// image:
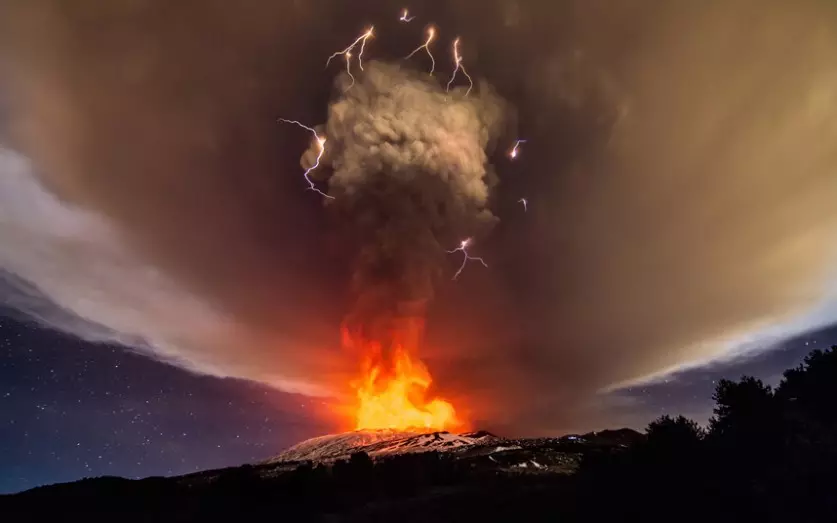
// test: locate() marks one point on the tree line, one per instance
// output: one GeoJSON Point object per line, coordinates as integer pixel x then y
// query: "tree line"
{"type": "Point", "coordinates": [766, 455]}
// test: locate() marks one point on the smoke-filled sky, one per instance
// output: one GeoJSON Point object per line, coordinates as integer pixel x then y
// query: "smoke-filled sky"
{"type": "Point", "coordinates": [679, 168]}
{"type": "Point", "coordinates": [409, 179]}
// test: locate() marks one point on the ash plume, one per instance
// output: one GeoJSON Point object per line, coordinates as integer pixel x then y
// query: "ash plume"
{"type": "Point", "coordinates": [410, 176]}
{"type": "Point", "coordinates": [143, 200]}
{"type": "Point", "coordinates": [68, 268]}
{"type": "Point", "coordinates": [679, 169]}
{"type": "Point", "coordinates": [686, 204]}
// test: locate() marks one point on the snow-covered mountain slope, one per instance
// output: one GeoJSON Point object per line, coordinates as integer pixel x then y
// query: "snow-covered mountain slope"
{"type": "Point", "coordinates": [380, 443]}
{"type": "Point", "coordinates": [422, 442]}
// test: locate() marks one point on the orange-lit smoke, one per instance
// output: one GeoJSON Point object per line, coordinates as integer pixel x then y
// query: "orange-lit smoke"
{"type": "Point", "coordinates": [392, 389]}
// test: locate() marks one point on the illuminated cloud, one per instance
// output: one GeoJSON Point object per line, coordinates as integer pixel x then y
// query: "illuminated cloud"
{"type": "Point", "coordinates": [68, 269]}
{"type": "Point", "coordinates": [679, 171]}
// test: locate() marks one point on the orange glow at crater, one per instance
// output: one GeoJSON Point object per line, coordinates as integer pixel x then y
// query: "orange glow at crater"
{"type": "Point", "coordinates": [392, 390]}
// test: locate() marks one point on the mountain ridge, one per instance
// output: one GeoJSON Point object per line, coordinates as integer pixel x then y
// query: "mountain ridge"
{"type": "Point", "coordinates": [381, 442]}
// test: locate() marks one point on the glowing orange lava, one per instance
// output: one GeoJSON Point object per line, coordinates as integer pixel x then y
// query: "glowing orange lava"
{"type": "Point", "coordinates": [392, 388]}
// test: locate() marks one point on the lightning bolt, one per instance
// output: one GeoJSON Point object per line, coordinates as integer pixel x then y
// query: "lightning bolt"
{"type": "Point", "coordinates": [431, 34]}
{"type": "Point", "coordinates": [457, 58]}
{"type": "Point", "coordinates": [405, 16]}
{"type": "Point", "coordinates": [516, 149]}
{"type": "Point", "coordinates": [525, 203]}
{"type": "Point", "coordinates": [463, 248]}
{"type": "Point", "coordinates": [349, 69]}
{"type": "Point", "coordinates": [360, 40]}
{"type": "Point", "coordinates": [321, 149]}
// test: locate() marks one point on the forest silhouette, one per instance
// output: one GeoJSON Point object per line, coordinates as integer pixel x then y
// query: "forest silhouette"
{"type": "Point", "coordinates": [766, 455]}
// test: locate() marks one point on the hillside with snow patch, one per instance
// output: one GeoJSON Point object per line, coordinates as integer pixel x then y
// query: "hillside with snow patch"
{"type": "Point", "coordinates": [380, 443]}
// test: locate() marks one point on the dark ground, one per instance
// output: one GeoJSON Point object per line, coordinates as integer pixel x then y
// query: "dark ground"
{"type": "Point", "coordinates": [767, 455]}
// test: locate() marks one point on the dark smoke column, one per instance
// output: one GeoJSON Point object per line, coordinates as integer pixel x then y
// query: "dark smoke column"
{"type": "Point", "coordinates": [409, 179]}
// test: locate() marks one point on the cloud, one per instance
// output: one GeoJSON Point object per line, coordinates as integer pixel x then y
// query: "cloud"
{"type": "Point", "coordinates": [67, 268]}
{"type": "Point", "coordinates": [409, 179]}
{"type": "Point", "coordinates": [683, 195]}
{"type": "Point", "coordinates": [679, 168]}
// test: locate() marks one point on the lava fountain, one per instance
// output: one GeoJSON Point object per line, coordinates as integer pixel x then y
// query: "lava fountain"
{"type": "Point", "coordinates": [392, 389]}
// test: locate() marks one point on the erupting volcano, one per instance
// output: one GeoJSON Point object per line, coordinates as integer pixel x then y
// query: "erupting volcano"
{"type": "Point", "coordinates": [408, 176]}
{"type": "Point", "coordinates": [397, 400]}
{"type": "Point", "coordinates": [392, 391]}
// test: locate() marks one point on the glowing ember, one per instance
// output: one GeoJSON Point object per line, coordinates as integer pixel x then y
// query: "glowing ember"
{"type": "Point", "coordinates": [392, 390]}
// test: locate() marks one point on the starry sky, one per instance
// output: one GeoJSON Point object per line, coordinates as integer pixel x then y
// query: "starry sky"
{"type": "Point", "coordinates": [72, 409]}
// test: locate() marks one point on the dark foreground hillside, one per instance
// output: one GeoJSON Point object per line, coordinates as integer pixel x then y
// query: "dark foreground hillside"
{"type": "Point", "coordinates": [767, 455]}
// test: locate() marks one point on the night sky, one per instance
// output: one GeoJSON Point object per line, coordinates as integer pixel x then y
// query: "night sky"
{"type": "Point", "coordinates": [678, 167]}
{"type": "Point", "coordinates": [72, 409]}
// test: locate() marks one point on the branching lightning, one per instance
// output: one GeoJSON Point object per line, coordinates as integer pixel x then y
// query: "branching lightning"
{"type": "Point", "coordinates": [457, 58]}
{"type": "Point", "coordinates": [525, 203]}
{"type": "Point", "coordinates": [347, 51]}
{"type": "Point", "coordinates": [321, 149]}
{"type": "Point", "coordinates": [431, 34]}
{"type": "Point", "coordinates": [405, 16]}
{"type": "Point", "coordinates": [516, 149]}
{"type": "Point", "coordinates": [463, 247]}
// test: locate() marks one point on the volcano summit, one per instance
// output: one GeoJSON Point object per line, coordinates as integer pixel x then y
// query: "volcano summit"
{"type": "Point", "coordinates": [379, 443]}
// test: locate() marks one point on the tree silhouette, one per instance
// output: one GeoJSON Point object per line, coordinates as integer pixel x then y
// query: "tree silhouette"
{"type": "Point", "coordinates": [766, 456]}
{"type": "Point", "coordinates": [809, 390]}
{"type": "Point", "coordinates": [806, 394]}
{"type": "Point", "coordinates": [744, 409]}
{"type": "Point", "coordinates": [674, 433]}
{"type": "Point", "coordinates": [360, 462]}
